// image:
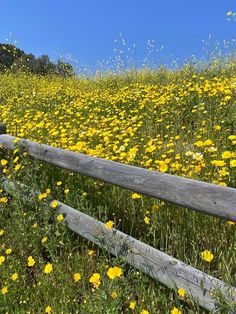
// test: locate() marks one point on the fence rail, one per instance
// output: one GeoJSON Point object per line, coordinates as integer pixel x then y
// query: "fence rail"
{"type": "Point", "coordinates": [200, 196]}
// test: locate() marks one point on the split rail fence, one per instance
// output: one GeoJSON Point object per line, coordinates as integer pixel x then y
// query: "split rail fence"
{"type": "Point", "coordinates": [199, 196]}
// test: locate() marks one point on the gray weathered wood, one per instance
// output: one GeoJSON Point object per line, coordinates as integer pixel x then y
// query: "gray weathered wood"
{"type": "Point", "coordinates": [169, 271]}
{"type": "Point", "coordinates": [3, 129]}
{"type": "Point", "coordinates": [199, 196]}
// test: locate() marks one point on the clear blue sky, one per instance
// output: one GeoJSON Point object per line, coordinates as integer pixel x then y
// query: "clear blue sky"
{"type": "Point", "coordinates": [87, 29]}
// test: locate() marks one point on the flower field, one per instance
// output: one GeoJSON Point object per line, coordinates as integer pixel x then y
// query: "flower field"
{"type": "Point", "coordinates": [182, 123]}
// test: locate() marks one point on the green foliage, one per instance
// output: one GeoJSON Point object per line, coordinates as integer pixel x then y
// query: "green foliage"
{"type": "Point", "coordinates": [15, 60]}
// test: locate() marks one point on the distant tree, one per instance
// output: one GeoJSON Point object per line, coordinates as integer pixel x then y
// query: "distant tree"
{"type": "Point", "coordinates": [44, 66]}
{"type": "Point", "coordinates": [14, 59]}
{"type": "Point", "coordinates": [25, 63]}
{"type": "Point", "coordinates": [64, 69]}
{"type": "Point", "coordinates": [8, 54]}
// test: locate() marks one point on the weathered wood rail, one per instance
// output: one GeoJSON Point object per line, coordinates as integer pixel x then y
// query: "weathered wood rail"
{"type": "Point", "coordinates": [196, 195]}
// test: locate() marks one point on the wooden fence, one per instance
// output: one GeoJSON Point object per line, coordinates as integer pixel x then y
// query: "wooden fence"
{"type": "Point", "coordinates": [196, 195]}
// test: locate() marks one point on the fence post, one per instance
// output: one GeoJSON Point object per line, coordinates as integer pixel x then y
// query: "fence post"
{"type": "Point", "coordinates": [3, 130]}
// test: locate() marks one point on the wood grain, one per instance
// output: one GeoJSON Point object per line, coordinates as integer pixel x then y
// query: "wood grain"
{"type": "Point", "coordinates": [3, 129]}
{"type": "Point", "coordinates": [196, 195]}
{"type": "Point", "coordinates": [167, 270]}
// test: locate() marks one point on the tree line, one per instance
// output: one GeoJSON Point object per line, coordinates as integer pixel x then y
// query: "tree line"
{"type": "Point", "coordinates": [15, 59]}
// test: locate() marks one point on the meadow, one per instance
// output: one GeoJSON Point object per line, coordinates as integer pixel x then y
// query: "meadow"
{"type": "Point", "coordinates": [180, 122]}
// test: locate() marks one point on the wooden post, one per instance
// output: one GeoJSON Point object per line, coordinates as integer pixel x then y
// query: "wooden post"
{"type": "Point", "coordinates": [3, 128]}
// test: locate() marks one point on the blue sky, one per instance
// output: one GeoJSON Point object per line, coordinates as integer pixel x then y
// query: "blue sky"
{"type": "Point", "coordinates": [87, 29]}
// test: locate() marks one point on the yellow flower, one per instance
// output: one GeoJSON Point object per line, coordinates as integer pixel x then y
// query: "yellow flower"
{"type": "Point", "coordinates": [4, 162]}
{"type": "Point", "coordinates": [175, 311]}
{"type": "Point", "coordinates": [226, 154]}
{"type": "Point", "coordinates": [132, 305]}
{"type": "Point", "coordinates": [17, 167]}
{"type": "Point", "coordinates": [4, 290]}
{"type": "Point", "coordinates": [48, 268]}
{"type": "Point", "coordinates": [90, 252]}
{"type": "Point", "coordinates": [109, 224]}
{"type": "Point", "coordinates": [42, 196]}
{"type": "Point", "coordinates": [135, 196]}
{"type": "Point", "coordinates": [3, 200]}
{"type": "Point", "coordinates": [147, 220]}
{"type": "Point", "coordinates": [218, 163]}
{"type": "Point", "coordinates": [114, 272]}
{"type": "Point", "coordinates": [231, 223]}
{"type": "Point", "coordinates": [114, 295]}
{"type": "Point", "coordinates": [1, 232]}
{"type": "Point", "coordinates": [44, 239]}
{"type": "Point", "coordinates": [233, 163]}
{"type": "Point", "coordinates": [181, 292]}
{"type": "Point", "coordinates": [66, 191]}
{"type": "Point", "coordinates": [59, 183]}
{"type": "Point", "coordinates": [8, 251]}
{"type": "Point", "coordinates": [31, 261]}
{"type": "Point", "coordinates": [48, 309]}
{"type": "Point", "coordinates": [95, 280]}
{"type": "Point", "coordinates": [77, 277]}
{"type": "Point", "coordinates": [2, 259]}
{"type": "Point", "coordinates": [155, 207]}
{"type": "Point", "coordinates": [163, 167]}
{"type": "Point", "coordinates": [54, 204]}
{"type": "Point", "coordinates": [14, 276]}
{"type": "Point", "coordinates": [217, 127]}
{"type": "Point", "coordinates": [144, 312]}
{"type": "Point", "coordinates": [60, 218]}
{"type": "Point", "coordinates": [16, 159]}
{"type": "Point", "coordinates": [207, 256]}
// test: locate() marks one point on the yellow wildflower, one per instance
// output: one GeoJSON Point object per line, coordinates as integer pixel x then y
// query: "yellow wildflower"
{"type": "Point", "coordinates": [31, 261]}
{"type": "Point", "coordinates": [132, 305]}
{"type": "Point", "coordinates": [226, 154]}
{"type": "Point", "coordinates": [48, 268]}
{"type": "Point", "coordinates": [114, 272]}
{"type": "Point", "coordinates": [60, 218]}
{"type": "Point", "coordinates": [231, 223]}
{"type": "Point", "coordinates": [233, 163]}
{"type": "Point", "coordinates": [77, 277]}
{"type": "Point", "coordinates": [2, 259]}
{"type": "Point", "coordinates": [114, 295]}
{"type": "Point", "coordinates": [90, 252]}
{"type": "Point", "coordinates": [14, 276]}
{"type": "Point", "coordinates": [48, 309]}
{"type": "Point", "coordinates": [4, 290]}
{"type": "Point", "coordinates": [95, 280]}
{"type": "Point", "coordinates": [207, 256]}
{"type": "Point", "coordinates": [54, 204]}
{"type": "Point", "coordinates": [181, 292]}
{"type": "Point", "coordinates": [4, 162]}
{"type": "Point", "coordinates": [8, 251]}
{"type": "Point", "coordinates": [109, 224]}
{"type": "Point", "coordinates": [175, 311]}
{"type": "Point", "coordinates": [147, 220]}
{"type": "Point", "coordinates": [135, 196]}
{"type": "Point", "coordinates": [44, 239]}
